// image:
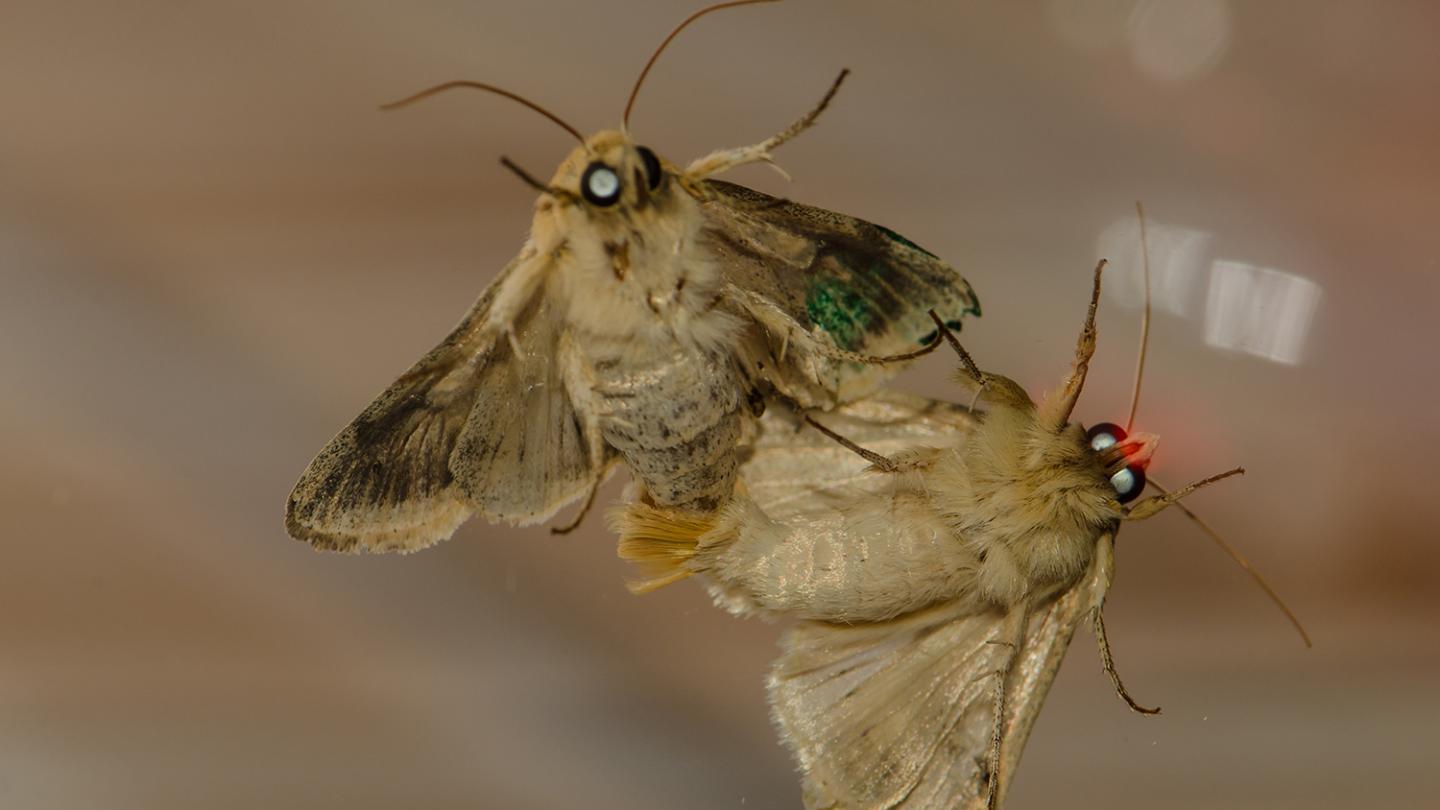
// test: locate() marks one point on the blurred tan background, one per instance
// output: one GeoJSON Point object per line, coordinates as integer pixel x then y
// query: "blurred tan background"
{"type": "Point", "coordinates": [214, 251]}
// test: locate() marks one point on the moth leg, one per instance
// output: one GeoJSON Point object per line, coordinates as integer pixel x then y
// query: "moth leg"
{"type": "Point", "coordinates": [878, 461]}
{"type": "Point", "coordinates": [580, 386]}
{"type": "Point", "coordinates": [725, 159]}
{"type": "Point", "coordinates": [584, 510]}
{"type": "Point", "coordinates": [515, 294]}
{"type": "Point", "coordinates": [967, 363]}
{"type": "Point", "coordinates": [1097, 619]}
{"type": "Point", "coordinates": [994, 387]}
{"type": "Point", "coordinates": [875, 359]}
{"type": "Point", "coordinates": [1016, 624]}
{"type": "Point", "coordinates": [1056, 412]}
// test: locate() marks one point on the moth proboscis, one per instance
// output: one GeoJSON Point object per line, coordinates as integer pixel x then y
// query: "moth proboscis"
{"type": "Point", "coordinates": [937, 588]}
{"type": "Point", "coordinates": [650, 315]}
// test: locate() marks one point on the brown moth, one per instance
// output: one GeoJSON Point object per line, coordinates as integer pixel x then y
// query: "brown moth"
{"type": "Point", "coordinates": [939, 572]}
{"type": "Point", "coordinates": [651, 314]}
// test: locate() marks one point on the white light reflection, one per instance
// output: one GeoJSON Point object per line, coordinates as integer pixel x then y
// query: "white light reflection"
{"type": "Point", "coordinates": [1176, 40]}
{"type": "Point", "coordinates": [1179, 258]}
{"type": "Point", "coordinates": [1260, 311]}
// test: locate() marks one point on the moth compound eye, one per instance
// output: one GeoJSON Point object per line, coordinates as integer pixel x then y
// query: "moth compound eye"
{"type": "Point", "coordinates": [1128, 483]}
{"type": "Point", "coordinates": [1104, 436]}
{"type": "Point", "coordinates": [600, 184]}
{"type": "Point", "coordinates": [653, 173]}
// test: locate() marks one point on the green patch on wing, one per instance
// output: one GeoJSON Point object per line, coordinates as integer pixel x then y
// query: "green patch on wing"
{"type": "Point", "coordinates": [906, 242]}
{"type": "Point", "coordinates": [838, 310]}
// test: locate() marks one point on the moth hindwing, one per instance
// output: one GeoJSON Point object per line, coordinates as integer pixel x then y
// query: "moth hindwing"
{"type": "Point", "coordinates": [651, 313]}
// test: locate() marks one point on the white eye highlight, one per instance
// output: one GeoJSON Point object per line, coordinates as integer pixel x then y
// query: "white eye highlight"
{"type": "Point", "coordinates": [1105, 435]}
{"type": "Point", "coordinates": [1128, 483]}
{"type": "Point", "coordinates": [600, 184]}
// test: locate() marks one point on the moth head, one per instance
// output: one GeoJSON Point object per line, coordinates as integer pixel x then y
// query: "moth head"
{"type": "Point", "coordinates": [1122, 458]}
{"type": "Point", "coordinates": [610, 174]}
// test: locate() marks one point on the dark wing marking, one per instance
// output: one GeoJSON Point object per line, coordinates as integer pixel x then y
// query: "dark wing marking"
{"type": "Point", "coordinates": [864, 288]}
{"type": "Point", "coordinates": [388, 481]}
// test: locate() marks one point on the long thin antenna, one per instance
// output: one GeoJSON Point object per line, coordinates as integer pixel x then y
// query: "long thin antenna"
{"type": "Point", "coordinates": [440, 88]}
{"type": "Point", "coordinates": [1240, 559]}
{"type": "Point", "coordinates": [635, 91]}
{"type": "Point", "coordinates": [1144, 319]}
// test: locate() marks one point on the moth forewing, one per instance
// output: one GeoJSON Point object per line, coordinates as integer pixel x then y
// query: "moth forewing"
{"type": "Point", "coordinates": [1047, 639]}
{"type": "Point", "coordinates": [651, 313]}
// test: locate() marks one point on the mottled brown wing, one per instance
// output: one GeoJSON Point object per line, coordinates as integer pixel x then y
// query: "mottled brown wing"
{"type": "Point", "coordinates": [899, 714]}
{"type": "Point", "coordinates": [469, 428]}
{"type": "Point", "coordinates": [814, 279]}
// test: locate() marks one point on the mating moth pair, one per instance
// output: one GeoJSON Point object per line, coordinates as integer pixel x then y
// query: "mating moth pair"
{"type": "Point", "coordinates": [940, 556]}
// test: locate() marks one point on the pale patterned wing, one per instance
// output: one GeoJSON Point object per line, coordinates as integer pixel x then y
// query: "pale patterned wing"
{"type": "Point", "coordinates": [1046, 642]}
{"type": "Point", "coordinates": [794, 468]}
{"type": "Point", "coordinates": [900, 713]}
{"type": "Point", "coordinates": [387, 482]}
{"type": "Point", "coordinates": [891, 714]}
{"type": "Point", "coordinates": [526, 451]}
{"type": "Point", "coordinates": [849, 284]}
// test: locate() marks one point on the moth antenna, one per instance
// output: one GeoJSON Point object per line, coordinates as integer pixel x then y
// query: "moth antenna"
{"type": "Point", "coordinates": [1239, 559]}
{"type": "Point", "coordinates": [525, 176]}
{"type": "Point", "coordinates": [1144, 319]}
{"type": "Point", "coordinates": [1097, 617]}
{"type": "Point", "coordinates": [440, 88]}
{"type": "Point", "coordinates": [635, 91]}
{"type": "Point", "coordinates": [1055, 413]}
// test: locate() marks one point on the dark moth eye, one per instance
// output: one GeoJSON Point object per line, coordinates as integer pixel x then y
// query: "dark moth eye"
{"type": "Point", "coordinates": [600, 184]}
{"type": "Point", "coordinates": [1104, 436]}
{"type": "Point", "coordinates": [653, 174]}
{"type": "Point", "coordinates": [1128, 483]}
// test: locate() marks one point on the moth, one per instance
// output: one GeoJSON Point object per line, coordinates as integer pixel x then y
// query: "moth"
{"type": "Point", "coordinates": [650, 315]}
{"type": "Point", "coordinates": [939, 558]}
